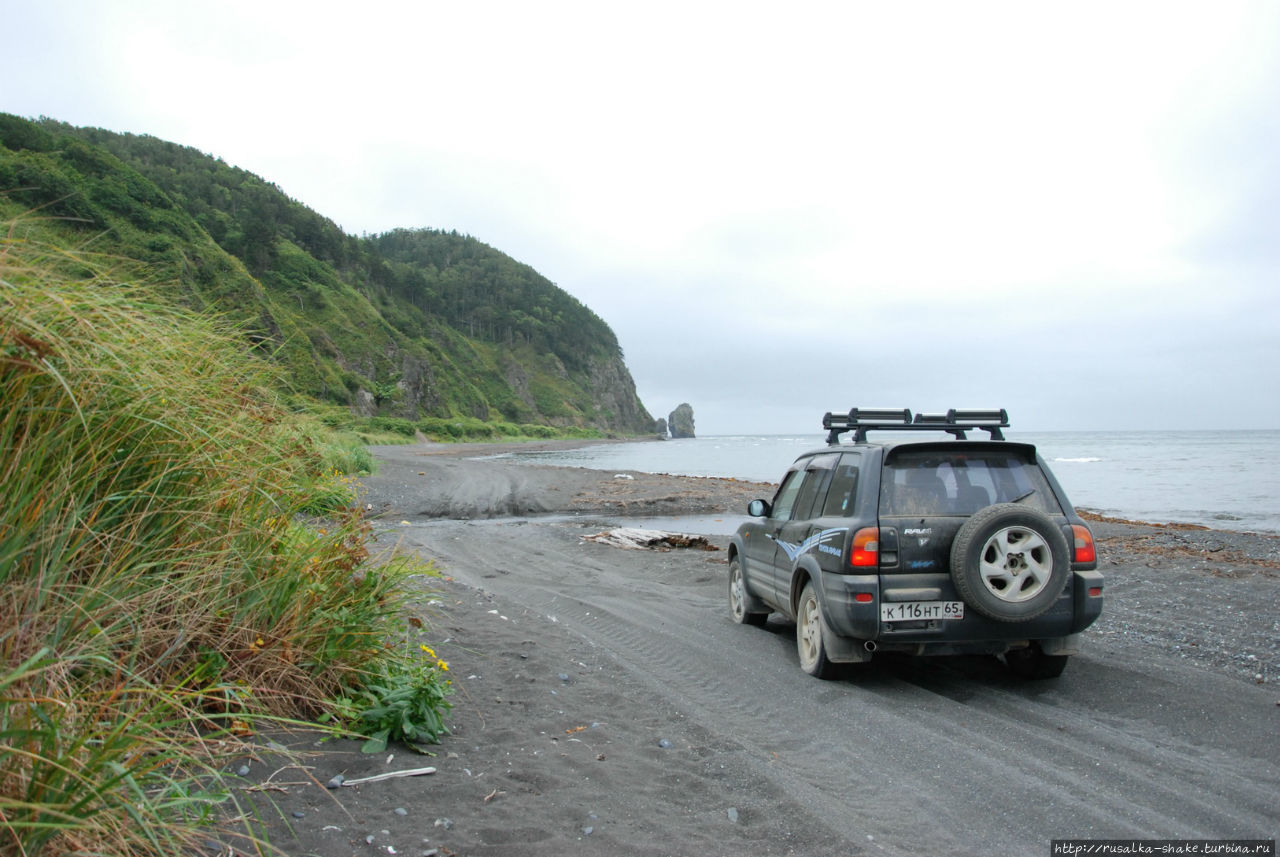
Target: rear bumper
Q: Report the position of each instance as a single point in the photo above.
(1076, 609)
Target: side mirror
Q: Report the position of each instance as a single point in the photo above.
(758, 508)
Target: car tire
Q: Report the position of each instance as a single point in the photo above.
(1010, 563)
(744, 608)
(810, 644)
(1032, 662)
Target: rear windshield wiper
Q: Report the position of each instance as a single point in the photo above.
(1022, 497)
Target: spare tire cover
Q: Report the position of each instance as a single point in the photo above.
(1009, 562)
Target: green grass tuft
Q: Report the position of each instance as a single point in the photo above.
(158, 593)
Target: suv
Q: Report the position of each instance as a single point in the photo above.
(928, 546)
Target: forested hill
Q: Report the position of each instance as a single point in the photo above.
(412, 323)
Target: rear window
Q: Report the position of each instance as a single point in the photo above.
(960, 482)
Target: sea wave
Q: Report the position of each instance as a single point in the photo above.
(1079, 460)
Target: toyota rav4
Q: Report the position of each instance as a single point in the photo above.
(923, 545)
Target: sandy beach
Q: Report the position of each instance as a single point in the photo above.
(605, 704)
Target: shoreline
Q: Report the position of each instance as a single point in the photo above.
(417, 484)
(496, 449)
(464, 447)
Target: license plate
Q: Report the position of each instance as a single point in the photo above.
(899, 611)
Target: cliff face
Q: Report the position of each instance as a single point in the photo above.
(614, 393)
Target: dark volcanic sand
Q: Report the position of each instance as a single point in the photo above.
(566, 740)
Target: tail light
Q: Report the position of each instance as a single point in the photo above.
(866, 548)
(1084, 549)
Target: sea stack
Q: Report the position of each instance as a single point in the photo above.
(681, 421)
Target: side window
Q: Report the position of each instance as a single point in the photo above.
(818, 474)
(786, 496)
(844, 487)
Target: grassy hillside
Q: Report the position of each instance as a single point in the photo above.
(414, 324)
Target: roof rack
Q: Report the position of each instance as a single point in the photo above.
(954, 422)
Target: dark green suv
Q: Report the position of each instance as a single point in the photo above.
(931, 544)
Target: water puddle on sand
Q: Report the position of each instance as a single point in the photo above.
(702, 525)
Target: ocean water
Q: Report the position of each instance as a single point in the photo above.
(1223, 479)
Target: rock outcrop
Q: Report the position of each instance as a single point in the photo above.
(613, 392)
(680, 422)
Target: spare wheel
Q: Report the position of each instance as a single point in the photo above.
(1009, 562)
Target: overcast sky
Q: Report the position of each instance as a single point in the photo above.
(1069, 210)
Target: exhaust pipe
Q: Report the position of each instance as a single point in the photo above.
(869, 645)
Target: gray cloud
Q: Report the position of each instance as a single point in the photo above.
(779, 214)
